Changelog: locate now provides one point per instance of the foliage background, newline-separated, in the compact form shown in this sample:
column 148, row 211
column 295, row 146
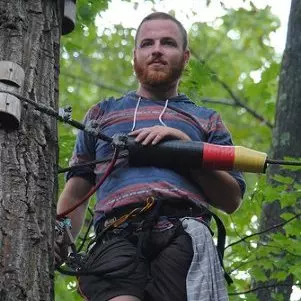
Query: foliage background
column 226, row 55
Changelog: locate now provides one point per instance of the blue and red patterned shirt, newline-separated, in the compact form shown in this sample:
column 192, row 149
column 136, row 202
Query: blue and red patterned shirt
column 131, row 184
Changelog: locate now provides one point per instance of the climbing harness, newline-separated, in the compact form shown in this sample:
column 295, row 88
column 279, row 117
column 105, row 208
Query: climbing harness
column 78, row 263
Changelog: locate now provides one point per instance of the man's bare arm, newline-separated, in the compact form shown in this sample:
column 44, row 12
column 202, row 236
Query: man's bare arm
column 75, row 189
column 220, row 187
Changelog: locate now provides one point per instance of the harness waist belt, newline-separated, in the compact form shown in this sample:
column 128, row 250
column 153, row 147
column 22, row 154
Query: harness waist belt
column 168, row 208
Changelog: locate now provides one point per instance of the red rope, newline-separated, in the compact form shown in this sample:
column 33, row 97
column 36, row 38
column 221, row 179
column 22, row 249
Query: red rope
column 93, row 190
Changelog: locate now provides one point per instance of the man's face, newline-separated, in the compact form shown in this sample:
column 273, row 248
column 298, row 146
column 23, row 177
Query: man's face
column 159, row 57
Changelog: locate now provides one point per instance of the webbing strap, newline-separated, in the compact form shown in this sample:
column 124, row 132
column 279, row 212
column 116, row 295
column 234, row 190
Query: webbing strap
column 221, row 240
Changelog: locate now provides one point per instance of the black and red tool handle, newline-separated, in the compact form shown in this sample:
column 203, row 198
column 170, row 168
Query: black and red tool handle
column 175, row 153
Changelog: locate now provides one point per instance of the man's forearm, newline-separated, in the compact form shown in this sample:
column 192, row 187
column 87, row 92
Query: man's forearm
column 220, row 187
column 75, row 189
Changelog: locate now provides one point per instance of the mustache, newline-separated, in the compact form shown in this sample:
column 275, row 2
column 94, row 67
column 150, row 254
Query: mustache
column 157, row 60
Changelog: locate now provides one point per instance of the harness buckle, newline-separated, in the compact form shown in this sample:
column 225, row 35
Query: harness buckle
column 110, row 221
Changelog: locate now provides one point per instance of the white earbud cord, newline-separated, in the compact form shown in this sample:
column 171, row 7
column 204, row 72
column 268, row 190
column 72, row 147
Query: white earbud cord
column 160, row 117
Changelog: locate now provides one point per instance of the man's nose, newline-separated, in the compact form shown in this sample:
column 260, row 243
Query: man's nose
column 157, row 47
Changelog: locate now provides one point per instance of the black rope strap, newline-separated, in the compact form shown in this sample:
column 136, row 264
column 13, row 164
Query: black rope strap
column 63, row 116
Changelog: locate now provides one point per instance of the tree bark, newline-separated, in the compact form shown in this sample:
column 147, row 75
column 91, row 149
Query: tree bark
column 30, row 37
column 286, row 135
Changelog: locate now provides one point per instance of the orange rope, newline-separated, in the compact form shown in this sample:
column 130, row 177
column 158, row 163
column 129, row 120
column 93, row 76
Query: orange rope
column 149, row 205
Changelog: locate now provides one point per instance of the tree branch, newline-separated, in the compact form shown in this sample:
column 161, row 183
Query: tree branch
column 256, row 259
column 243, row 264
column 263, row 287
column 222, row 101
column 93, row 82
column 264, row 231
column 237, row 101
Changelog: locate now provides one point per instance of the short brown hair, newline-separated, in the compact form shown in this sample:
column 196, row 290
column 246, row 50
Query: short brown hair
column 164, row 16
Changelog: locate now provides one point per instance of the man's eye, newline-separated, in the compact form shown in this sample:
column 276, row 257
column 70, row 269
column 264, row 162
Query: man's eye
column 169, row 43
column 145, row 44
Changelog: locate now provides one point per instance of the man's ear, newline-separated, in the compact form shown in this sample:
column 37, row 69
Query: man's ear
column 134, row 55
column 186, row 56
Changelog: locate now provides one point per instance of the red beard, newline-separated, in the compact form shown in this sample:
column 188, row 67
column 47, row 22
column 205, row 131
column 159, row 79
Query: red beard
column 148, row 75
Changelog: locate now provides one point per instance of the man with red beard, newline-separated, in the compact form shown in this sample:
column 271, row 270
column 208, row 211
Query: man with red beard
column 151, row 222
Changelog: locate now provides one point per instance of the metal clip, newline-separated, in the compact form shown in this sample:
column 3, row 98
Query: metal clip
column 109, row 222
column 120, row 141
column 92, row 127
column 65, row 113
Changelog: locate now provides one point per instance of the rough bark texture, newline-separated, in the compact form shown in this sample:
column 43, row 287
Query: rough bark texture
column 29, row 36
column 286, row 134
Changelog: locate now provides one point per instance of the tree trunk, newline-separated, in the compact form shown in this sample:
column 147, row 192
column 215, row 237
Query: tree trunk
column 286, row 134
column 29, row 36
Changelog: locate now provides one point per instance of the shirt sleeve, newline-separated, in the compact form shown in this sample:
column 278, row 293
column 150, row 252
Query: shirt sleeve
column 84, row 150
column 219, row 134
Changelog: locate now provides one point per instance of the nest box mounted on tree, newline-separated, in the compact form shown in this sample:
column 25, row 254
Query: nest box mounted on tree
column 69, row 14
column 11, row 80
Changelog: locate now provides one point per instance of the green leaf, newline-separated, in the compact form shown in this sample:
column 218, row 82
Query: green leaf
column 295, row 270
column 286, row 216
column 283, row 179
column 258, row 274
